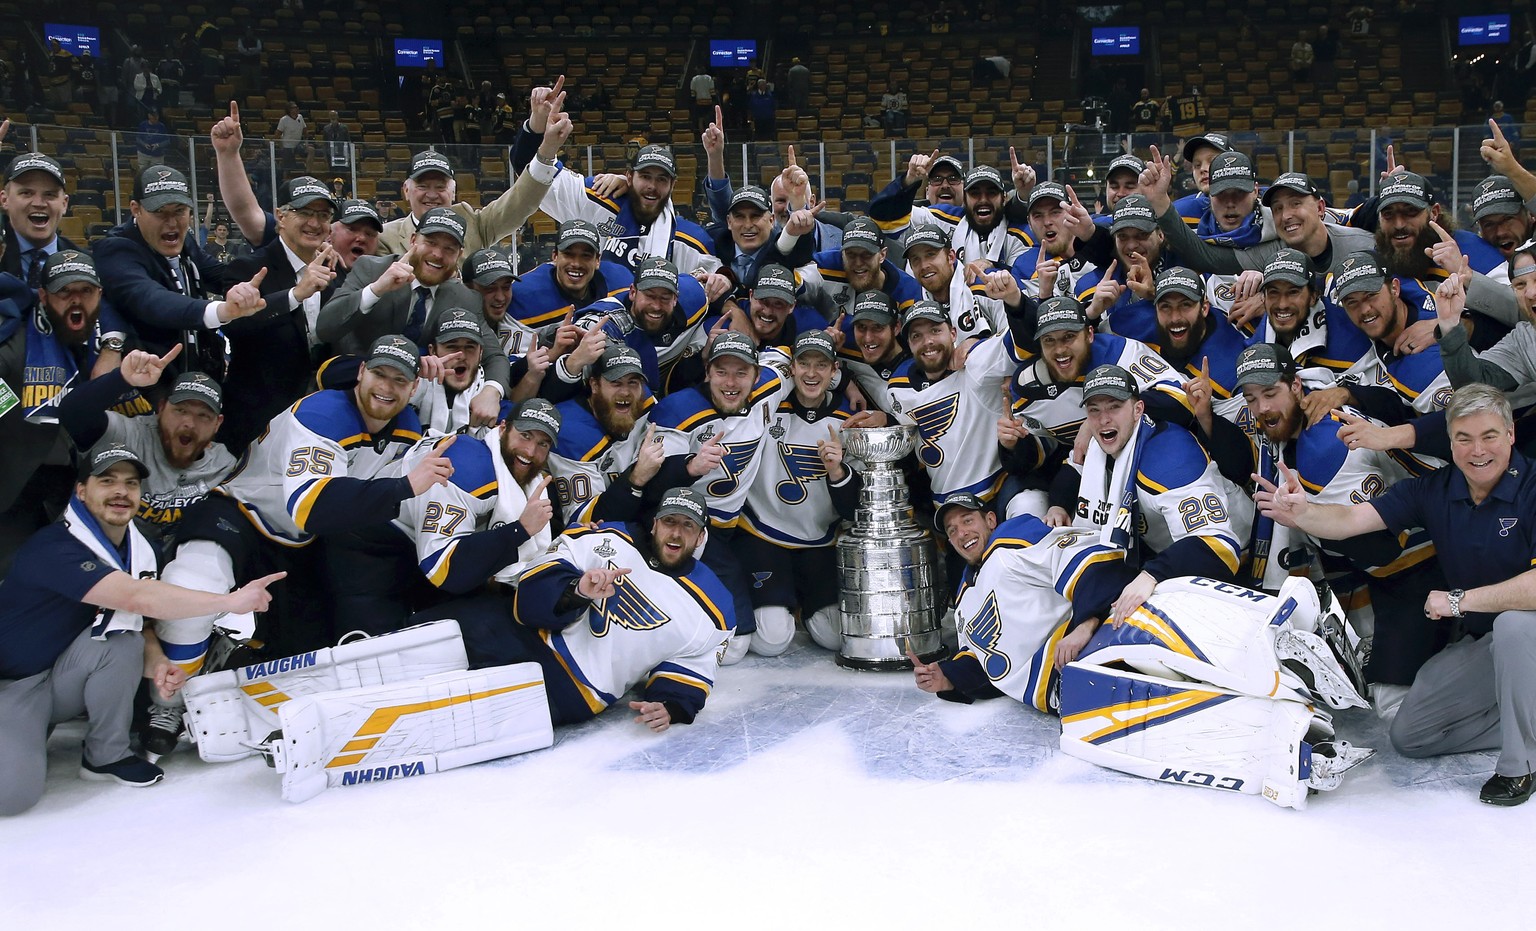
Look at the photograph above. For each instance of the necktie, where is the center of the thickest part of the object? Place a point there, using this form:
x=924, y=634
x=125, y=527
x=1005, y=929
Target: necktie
x=413, y=326
x=743, y=265
x=35, y=259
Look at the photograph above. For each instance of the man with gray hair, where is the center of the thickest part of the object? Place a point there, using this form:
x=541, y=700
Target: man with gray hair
x=1481, y=515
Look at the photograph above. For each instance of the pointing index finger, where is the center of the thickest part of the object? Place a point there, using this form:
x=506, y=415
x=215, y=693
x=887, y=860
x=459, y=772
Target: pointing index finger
x=1440, y=231
x=442, y=448
x=234, y=111
x=791, y=162
x=719, y=117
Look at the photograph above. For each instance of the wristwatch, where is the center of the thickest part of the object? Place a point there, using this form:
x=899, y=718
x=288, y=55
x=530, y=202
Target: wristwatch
x=1454, y=597
x=112, y=344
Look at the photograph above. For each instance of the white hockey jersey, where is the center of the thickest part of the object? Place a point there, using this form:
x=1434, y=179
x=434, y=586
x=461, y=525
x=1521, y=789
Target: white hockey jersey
x=789, y=502
x=663, y=631
x=319, y=440
x=1057, y=408
x=1011, y=613
x=956, y=417
x=586, y=459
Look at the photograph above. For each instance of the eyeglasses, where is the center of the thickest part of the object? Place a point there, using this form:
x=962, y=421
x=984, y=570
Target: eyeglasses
x=946, y=180
x=322, y=215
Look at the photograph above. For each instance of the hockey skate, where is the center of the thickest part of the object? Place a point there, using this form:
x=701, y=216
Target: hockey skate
x=160, y=735
x=1352, y=652
x=1331, y=760
x=1311, y=659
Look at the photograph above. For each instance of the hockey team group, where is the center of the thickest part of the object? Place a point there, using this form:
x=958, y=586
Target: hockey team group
x=371, y=504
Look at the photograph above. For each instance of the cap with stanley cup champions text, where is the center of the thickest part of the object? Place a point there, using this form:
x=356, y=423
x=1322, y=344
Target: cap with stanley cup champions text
x=863, y=233
x=161, y=186
x=1047, y=190
x=359, y=211
x=1125, y=163
x=304, y=190
x=1290, y=181
x=618, y=361
x=1290, y=265
x=68, y=266
x=683, y=501
x=655, y=156
x=488, y=266
x=1059, y=314
x=751, y=196
x=456, y=323
x=1232, y=171
x=733, y=343
x=875, y=306
x=104, y=456
x=197, y=386
x=33, y=161
x=931, y=311
x=396, y=352
x=1495, y=196
x=1179, y=280
x=962, y=499
x=775, y=282
x=538, y=414
x=984, y=174
x=1133, y=211
x=1109, y=381
x=1405, y=188
x=926, y=235
x=1217, y=141
x=442, y=220
x=423, y=163
x=1359, y=272
x=816, y=341
x=656, y=272
x=578, y=232
x=1264, y=364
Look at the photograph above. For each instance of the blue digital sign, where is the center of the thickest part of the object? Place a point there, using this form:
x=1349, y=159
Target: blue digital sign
x=1117, y=40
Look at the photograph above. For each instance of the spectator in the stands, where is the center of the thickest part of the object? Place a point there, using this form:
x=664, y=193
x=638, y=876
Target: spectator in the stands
x=290, y=138
x=893, y=110
x=153, y=139
x=249, y=48
x=763, y=107
x=147, y=90
x=1302, y=57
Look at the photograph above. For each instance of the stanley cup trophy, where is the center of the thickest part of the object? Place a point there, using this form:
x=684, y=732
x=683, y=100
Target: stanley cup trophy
x=887, y=567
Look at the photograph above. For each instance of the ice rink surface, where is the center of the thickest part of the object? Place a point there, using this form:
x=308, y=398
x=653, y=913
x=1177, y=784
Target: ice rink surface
x=805, y=793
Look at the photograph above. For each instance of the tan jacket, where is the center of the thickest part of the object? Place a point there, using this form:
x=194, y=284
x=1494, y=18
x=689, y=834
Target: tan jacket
x=484, y=226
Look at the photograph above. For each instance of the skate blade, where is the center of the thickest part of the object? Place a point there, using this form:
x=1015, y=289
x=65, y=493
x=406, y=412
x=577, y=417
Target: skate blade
x=1312, y=660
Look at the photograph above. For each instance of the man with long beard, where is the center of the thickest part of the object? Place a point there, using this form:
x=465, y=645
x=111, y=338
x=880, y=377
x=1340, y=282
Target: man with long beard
x=1405, y=208
x=980, y=233
x=606, y=453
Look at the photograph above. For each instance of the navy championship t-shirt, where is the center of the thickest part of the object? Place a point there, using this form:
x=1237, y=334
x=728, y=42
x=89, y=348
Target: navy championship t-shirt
x=41, y=606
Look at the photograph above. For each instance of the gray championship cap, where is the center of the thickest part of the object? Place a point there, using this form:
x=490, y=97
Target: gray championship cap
x=733, y=343
x=1109, y=381
x=1125, y=163
x=875, y=306
x=1133, y=211
x=538, y=414
x=775, y=281
x=457, y=323
x=1232, y=171
x=1359, y=272
x=424, y=163
x=359, y=211
x=683, y=501
x=33, y=161
x=1289, y=265
x=925, y=236
x=196, y=386
x=924, y=310
x=1217, y=141
x=1495, y=196
x=162, y=186
x=656, y=273
x=1047, y=190
x=619, y=361
x=1264, y=364
x=488, y=266
x=442, y=220
x=962, y=499
x=68, y=266
x=752, y=196
x=1179, y=280
x=1405, y=188
x=656, y=156
x=1058, y=314
x=106, y=455
x=947, y=161
x=863, y=233
x=305, y=190
x=814, y=341
x=984, y=174
x=1290, y=181
x=396, y=352
x=578, y=232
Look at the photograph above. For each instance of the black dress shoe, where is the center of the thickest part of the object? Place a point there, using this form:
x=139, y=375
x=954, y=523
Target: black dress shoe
x=1507, y=790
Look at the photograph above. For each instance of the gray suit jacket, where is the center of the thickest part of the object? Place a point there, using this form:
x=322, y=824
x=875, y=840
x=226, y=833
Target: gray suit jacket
x=344, y=325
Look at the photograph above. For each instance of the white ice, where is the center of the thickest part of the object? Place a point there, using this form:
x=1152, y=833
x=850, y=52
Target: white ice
x=833, y=798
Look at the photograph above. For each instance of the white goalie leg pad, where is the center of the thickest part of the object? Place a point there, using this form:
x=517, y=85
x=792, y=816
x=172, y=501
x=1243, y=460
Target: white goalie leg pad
x=382, y=732
x=203, y=566
x=775, y=630
x=230, y=711
x=826, y=628
x=1187, y=733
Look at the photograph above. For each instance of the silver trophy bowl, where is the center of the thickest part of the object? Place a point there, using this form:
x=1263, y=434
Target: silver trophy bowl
x=890, y=594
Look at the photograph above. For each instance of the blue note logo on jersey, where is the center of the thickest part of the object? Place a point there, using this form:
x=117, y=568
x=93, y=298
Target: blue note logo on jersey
x=803, y=466
x=933, y=421
x=984, y=629
x=733, y=463
x=628, y=607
